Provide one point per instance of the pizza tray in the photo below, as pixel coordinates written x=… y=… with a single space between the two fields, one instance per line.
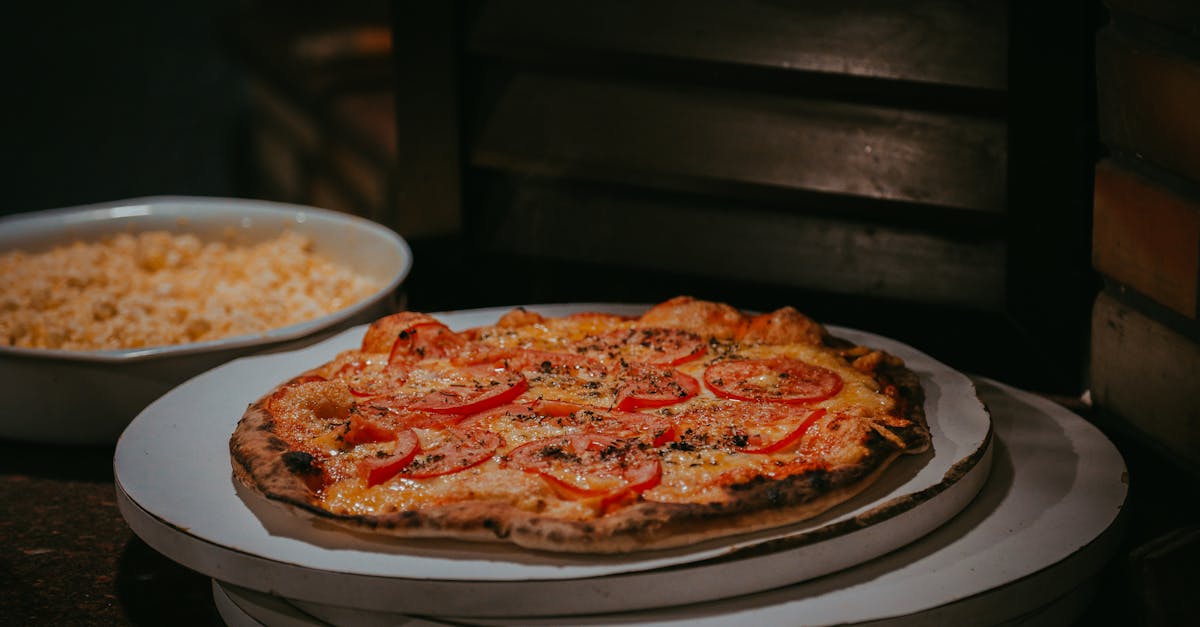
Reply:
x=175 y=488
x=1027 y=551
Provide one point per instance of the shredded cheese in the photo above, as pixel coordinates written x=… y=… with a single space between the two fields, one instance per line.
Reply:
x=157 y=288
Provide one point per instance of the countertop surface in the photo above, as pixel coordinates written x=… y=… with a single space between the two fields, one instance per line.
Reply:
x=68 y=557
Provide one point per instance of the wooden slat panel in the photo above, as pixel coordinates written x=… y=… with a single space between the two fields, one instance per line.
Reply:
x=658 y=135
x=1147 y=237
x=929 y=41
x=735 y=243
x=1144 y=373
x=1148 y=99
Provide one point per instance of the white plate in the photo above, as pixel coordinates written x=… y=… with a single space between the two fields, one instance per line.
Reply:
x=176 y=491
x=90 y=396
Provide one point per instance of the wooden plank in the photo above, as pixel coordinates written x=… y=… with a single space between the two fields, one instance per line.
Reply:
x=1144 y=375
x=1147 y=237
x=731 y=242
x=679 y=138
x=1148 y=98
x=926 y=41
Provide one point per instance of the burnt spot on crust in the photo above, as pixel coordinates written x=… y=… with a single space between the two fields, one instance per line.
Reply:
x=775 y=497
x=495 y=526
x=275 y=444
x=301 y=463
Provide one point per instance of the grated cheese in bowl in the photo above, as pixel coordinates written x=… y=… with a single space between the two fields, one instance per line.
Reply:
x=105 y=308
x=157 y=288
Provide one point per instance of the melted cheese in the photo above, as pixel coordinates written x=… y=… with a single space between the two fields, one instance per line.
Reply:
x=696 y=469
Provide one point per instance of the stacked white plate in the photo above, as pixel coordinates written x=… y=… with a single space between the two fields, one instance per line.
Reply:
x=1014 y=514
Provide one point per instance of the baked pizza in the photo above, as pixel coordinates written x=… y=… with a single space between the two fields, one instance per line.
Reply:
x=590 y=432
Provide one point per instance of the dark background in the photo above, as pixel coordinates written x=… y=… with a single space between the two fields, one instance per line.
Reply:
x=124 y=99
x=115 y=100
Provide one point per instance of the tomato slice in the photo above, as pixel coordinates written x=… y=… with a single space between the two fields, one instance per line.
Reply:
x=626 y=424
x=791 y=438
x=478 y=389
x=776 y=380
x=645 y=385
x=606 y=468
x=425 y=340
x=462 y=450
x=376 y=470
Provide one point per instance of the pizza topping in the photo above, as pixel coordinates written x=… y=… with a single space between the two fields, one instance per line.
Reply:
x=645 y=385
x=474 y=390
x=658 y=429
x=362 y=430
x=590 y=466
x=367 y=379
x=462 y=449
x=777 y=380
x=551 y=362
x=651 y=345
x=384 y=465
x=755 y=444
x=395 y=411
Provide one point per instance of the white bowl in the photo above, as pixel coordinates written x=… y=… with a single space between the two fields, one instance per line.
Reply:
x=88 y=397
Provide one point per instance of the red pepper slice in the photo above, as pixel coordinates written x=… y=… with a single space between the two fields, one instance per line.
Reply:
x=590 y=466
x=645 y=385
x=376 y=470
x=394 y=413
x=362 y=430
x=791 y=438
x=477 y=390
x=624 y=424
x=462 y=450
